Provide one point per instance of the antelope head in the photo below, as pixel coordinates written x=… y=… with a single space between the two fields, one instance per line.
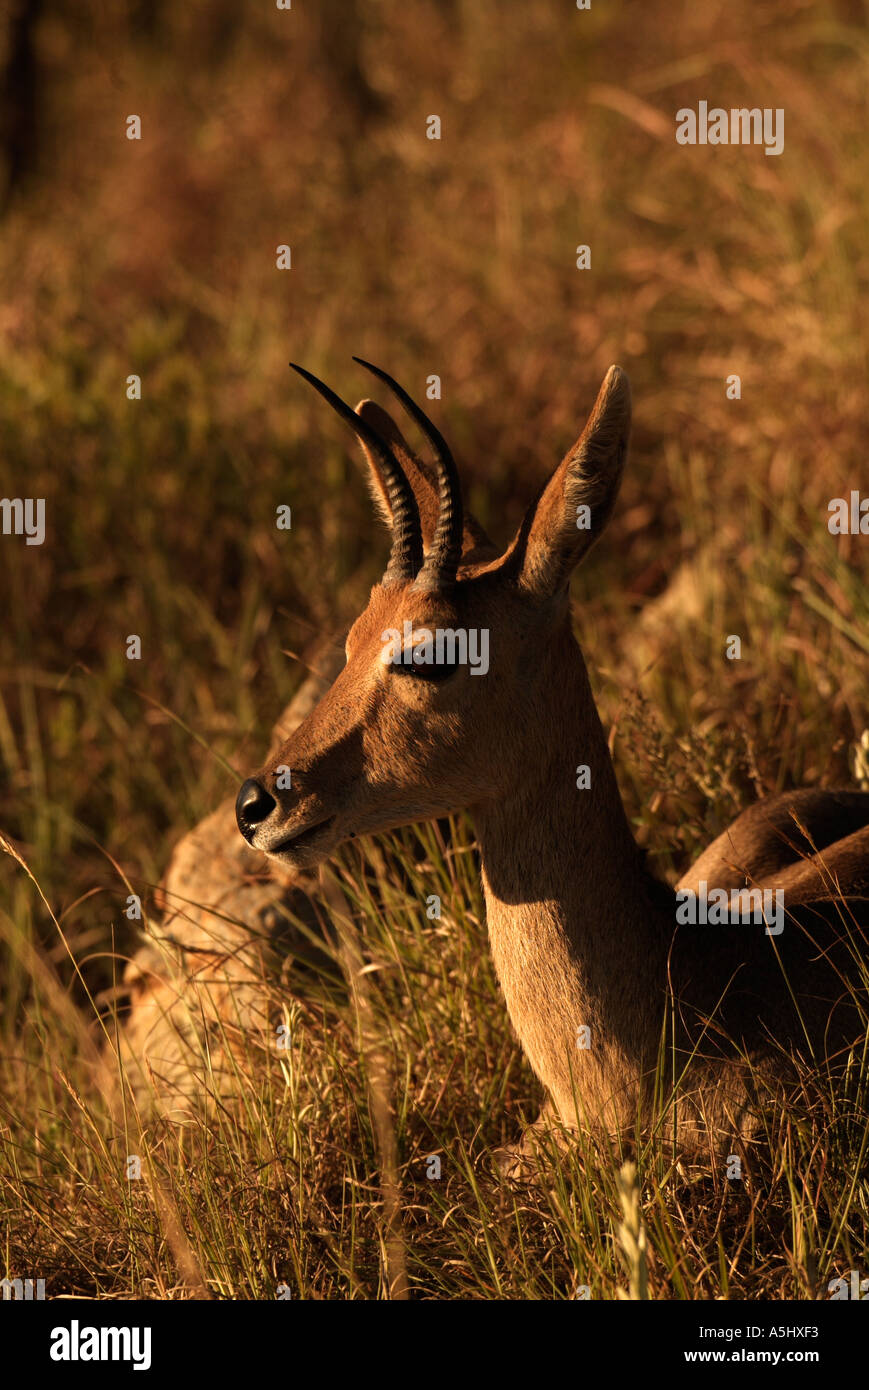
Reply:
x=415 y=727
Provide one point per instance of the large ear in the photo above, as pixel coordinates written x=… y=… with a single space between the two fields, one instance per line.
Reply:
x=575 y=505
x=419 y=474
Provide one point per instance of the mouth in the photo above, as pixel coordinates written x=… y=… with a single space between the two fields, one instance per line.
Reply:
x=302 y=839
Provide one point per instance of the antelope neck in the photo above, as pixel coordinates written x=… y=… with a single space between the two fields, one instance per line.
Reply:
x=578 y=929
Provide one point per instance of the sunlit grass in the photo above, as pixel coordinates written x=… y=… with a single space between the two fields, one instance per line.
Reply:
x=454 y=258
x=272 y=1170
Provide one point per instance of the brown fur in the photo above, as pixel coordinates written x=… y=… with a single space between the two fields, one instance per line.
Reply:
x=581 y=934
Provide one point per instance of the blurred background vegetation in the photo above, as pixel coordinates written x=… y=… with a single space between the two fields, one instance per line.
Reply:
x=156 y=257
x=456 y=257
x=307 y=127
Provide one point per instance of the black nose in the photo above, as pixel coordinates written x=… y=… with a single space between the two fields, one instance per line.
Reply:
x=252 y=805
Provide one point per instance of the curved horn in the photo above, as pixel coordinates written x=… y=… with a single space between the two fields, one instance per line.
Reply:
x=442 y=561
x=406 y=556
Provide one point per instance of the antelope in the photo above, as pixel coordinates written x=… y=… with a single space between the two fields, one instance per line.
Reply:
x=585 y=939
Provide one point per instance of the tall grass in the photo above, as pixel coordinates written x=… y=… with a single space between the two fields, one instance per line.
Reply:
x=312 y=1168
x=456 y=258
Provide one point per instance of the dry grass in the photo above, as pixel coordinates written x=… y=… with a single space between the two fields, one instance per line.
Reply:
x=454 y=258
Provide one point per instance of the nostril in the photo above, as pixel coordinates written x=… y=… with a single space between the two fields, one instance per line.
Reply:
x=253 y=804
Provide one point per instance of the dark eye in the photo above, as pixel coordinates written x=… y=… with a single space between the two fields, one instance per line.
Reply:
x=436 y=672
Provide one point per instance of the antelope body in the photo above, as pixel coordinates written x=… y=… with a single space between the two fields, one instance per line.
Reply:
x=582 y=935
